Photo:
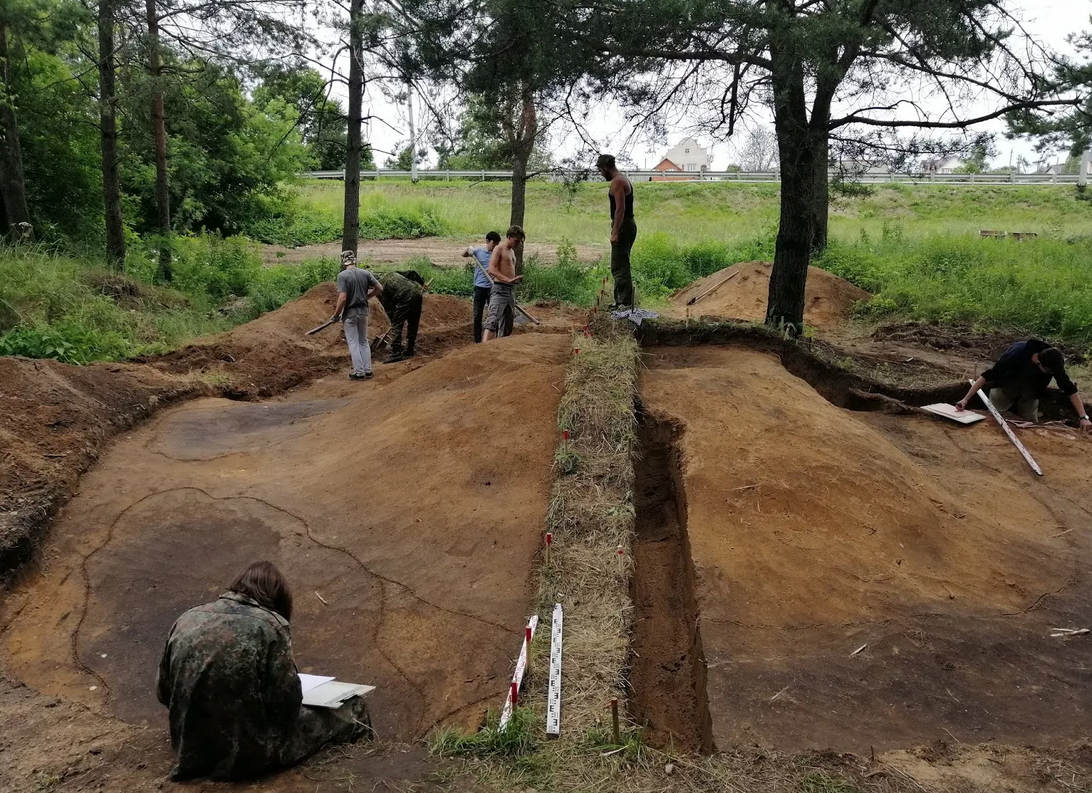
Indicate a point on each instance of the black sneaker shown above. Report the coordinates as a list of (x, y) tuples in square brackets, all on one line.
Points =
[(395, 357), (356, 376), (409, 353)]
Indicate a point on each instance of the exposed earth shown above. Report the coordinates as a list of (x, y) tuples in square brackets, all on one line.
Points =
[(880, 581), (807, 577)]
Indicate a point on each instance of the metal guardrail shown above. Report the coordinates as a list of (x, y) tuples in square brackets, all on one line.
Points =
[(767, 177)]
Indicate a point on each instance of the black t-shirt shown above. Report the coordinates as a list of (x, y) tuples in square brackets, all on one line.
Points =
[(1015, 371)]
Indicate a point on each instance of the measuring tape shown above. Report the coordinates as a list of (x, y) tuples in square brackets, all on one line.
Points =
[(553, 696), (517, 676)]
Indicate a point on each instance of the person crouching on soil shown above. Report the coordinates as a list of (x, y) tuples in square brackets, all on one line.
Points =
[(502, 269), (402, 297), (231, 685), (1020, 377), (354, 288)]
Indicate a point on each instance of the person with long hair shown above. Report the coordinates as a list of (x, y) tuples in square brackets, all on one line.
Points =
[(230, 682)]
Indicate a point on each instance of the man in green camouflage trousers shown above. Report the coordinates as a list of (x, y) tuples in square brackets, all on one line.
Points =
[(231, 684), (402, 298)]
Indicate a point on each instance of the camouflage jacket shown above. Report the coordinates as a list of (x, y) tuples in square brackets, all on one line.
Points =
[(228, 677), (398, 292)]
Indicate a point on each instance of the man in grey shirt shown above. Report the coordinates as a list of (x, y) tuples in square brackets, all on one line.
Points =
[(354, 288)]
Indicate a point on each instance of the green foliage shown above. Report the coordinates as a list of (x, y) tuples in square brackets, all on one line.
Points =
[(513, 740), (381, 220), (272, 287), (226, 153), (1035, 286), (222, 269), (457, 281), (66, 308)]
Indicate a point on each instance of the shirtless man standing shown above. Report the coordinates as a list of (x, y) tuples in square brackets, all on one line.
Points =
[(623, 229), (502, 269)]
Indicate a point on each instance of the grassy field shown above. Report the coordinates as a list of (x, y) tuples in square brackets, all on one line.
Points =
[(916, 248), (716, 211)]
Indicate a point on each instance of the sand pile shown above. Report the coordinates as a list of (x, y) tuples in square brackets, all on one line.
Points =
[(827, 302)]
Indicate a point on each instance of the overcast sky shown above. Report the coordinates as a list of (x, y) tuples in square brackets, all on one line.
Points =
[(1049, 20)]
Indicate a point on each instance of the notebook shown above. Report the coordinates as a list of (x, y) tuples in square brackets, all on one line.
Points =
[(326, 692)]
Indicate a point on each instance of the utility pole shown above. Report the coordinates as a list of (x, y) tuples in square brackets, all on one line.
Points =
[(412, 133)]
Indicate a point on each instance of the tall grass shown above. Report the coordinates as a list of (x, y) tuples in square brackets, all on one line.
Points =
[(723, 212), (1039, 286), (61, 306)]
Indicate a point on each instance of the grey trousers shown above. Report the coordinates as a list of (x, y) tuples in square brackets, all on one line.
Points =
[(1026, 407), (356, 336)]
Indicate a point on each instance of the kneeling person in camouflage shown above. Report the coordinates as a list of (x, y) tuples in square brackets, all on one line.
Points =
[(230, 682), (502, 269), (402, 298)]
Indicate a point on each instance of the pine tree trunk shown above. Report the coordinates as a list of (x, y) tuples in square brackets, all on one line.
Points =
[(350, 235), (111, 181), (519, 202), (821, 204), (800, 152), (12, 183), (159, 124)]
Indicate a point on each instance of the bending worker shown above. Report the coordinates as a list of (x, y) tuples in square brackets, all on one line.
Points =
[(354, 287), (1021, 376), (231, 685), (402, 297)]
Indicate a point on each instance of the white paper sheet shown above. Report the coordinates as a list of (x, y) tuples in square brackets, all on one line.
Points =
[(950, 412), (308, 682)]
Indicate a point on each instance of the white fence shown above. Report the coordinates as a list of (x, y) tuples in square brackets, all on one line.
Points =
[(723, 176)]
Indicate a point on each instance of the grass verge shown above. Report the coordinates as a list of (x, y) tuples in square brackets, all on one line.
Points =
[(63, 306)]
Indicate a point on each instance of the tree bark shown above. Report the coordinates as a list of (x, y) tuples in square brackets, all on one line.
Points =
[(523, 136), (111, 181), (821, 205), (800, 154), (12, 182), (159, 124), (350, 235)]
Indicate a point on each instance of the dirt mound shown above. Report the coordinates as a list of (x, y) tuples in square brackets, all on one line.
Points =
[(54, 421), (828, 299), (272, 353), (816, 532), (410, 568)]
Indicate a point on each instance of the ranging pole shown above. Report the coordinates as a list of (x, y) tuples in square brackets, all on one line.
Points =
[(517, 677), (1008, 431)]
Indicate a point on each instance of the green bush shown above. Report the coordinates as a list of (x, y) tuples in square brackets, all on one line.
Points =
[(209, 265), (272, 287), (382, 220)]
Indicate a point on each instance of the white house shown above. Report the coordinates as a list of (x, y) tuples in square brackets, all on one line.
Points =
[(941, 165), (688, 155)]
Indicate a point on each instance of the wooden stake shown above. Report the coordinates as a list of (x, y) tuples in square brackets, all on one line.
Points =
[(549, 542), (712, 289), (614, 721)]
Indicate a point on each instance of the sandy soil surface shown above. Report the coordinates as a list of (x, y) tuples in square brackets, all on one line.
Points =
[(814, 532), (444, 252), (828, 299), (423, 559)]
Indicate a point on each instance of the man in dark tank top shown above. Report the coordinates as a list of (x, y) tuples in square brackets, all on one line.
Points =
[(623, 229)]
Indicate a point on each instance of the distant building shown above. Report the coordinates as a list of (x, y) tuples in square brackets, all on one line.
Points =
[(941, 165), (687, 155), (861, 168)]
